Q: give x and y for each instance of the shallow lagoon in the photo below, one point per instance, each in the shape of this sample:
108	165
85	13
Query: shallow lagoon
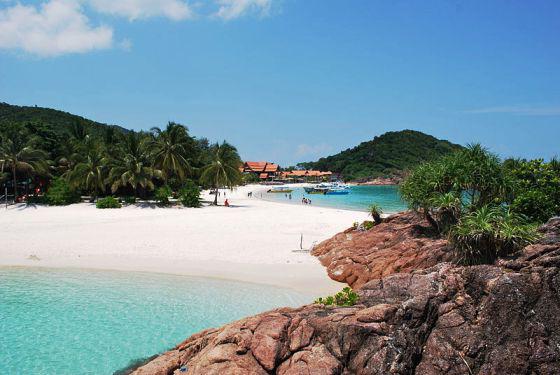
359	199
55	321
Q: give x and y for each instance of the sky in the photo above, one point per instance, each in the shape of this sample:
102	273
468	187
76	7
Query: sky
294	80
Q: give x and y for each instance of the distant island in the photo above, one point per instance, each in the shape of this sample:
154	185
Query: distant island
386	156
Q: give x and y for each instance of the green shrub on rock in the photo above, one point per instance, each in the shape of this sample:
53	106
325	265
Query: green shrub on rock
346	297
375	212
491	232
108	202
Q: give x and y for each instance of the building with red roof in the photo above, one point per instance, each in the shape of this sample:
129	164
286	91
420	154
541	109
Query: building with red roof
263	169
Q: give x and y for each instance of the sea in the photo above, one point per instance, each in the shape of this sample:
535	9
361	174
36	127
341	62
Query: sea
360	198
66	321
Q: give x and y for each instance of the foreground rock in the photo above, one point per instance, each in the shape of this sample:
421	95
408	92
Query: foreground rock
400	244
490	319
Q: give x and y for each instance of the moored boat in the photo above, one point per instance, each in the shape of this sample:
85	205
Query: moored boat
333	188
337	191
280	189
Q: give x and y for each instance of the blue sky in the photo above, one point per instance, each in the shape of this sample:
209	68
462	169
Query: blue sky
288	80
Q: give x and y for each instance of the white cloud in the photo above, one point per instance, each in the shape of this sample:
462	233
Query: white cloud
312	150
230	9
58	27
139	9
518	110
54	28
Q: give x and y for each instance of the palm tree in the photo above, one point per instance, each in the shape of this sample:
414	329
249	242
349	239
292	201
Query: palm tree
169	149
223	169
18	154
90	173
131	167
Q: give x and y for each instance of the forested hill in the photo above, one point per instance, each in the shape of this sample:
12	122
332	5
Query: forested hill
47	119
386	155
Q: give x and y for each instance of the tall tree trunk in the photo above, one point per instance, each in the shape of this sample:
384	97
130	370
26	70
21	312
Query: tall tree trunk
15	182
215	196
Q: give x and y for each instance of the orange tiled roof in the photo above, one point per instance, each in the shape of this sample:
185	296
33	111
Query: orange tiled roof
263	175
270	167
260	166
256	165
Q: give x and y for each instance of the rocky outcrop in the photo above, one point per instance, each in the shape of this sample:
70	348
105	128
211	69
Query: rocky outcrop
446	319
400	244
379	181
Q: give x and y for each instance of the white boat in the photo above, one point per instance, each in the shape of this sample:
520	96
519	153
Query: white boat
280	189
329	188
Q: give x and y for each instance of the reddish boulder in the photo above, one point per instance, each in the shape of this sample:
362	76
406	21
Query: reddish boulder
399	244
447	319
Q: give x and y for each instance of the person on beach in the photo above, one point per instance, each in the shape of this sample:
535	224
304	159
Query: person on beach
226	203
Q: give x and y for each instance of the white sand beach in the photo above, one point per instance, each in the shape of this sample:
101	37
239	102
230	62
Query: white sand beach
254	240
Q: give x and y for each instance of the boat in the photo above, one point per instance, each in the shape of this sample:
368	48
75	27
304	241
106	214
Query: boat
333	188
280	189
337	191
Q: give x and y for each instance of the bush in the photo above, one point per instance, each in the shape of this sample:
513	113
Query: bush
376	211
189	195
347	297
368	224
129	200
536	188
162	195
61	194
491	232
364	226
108	202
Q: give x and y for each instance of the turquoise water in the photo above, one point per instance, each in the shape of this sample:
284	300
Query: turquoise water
95	322
360	198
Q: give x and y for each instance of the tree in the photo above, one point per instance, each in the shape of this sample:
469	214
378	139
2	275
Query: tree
223	169
18	154
170	149
536	188
130	166
91	173
464	181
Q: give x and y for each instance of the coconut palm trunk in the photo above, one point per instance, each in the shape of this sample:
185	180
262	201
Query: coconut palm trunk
14	181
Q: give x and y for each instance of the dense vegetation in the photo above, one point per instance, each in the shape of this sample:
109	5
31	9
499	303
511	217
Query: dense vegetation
488	208
66	155
385	156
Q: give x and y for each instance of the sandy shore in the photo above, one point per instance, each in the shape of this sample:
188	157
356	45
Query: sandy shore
253	241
